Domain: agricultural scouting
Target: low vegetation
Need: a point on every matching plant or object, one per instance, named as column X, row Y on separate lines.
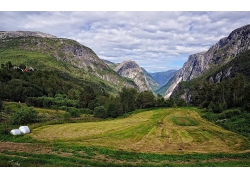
column 156, row 137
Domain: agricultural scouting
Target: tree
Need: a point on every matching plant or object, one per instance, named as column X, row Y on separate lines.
column 24, row 115
column 100, row 112
column 112, row 110
column 181, row 102
column 128, row 97
column 160, row 101
column 86, row 96
column 145, row 99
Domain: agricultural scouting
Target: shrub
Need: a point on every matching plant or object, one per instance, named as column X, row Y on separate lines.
column 74, row 112
column 100, row 112
column 24, row 115
column 229, row 113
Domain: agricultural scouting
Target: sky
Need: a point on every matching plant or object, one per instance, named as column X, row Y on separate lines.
column 158, row 40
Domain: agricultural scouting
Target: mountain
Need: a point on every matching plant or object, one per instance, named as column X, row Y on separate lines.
column 222, row 52
column 163, row 77
column 132, row 70
column 151, row 81
column 47, row 52
column 112, row 65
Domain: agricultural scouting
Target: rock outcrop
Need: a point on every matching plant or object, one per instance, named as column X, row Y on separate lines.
column 222, row 52
column 13, row 34
column 132, row 70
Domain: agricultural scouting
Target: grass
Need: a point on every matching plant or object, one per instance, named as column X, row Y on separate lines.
column 159, row 137
column 161, row 131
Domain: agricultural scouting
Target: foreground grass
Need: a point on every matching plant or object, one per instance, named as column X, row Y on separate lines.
column 159, row 137
column 175, row 131
column 59, row 155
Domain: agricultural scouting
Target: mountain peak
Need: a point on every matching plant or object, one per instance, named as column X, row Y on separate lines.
column 223, row 51
column 13, row 34
column 132, row 70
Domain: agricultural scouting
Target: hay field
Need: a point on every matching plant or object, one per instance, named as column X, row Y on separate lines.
column 170, row 130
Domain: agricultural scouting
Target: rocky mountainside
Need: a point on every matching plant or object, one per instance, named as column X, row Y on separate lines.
column 45, row 51
column 163, row 77
column 151, row 81
column 112, row 65
column 13, row 34
column 222, row 52
column 132, row 70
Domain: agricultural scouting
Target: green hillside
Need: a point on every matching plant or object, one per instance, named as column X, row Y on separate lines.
column 60, row 55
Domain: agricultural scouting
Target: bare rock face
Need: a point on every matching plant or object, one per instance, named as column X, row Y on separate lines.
column 132, row 70
column 222, row 52
column 13, row 34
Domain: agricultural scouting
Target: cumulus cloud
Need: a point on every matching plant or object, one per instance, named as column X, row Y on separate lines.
column 158, row 41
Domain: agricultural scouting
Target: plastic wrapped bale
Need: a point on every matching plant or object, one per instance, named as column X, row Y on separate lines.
column 15, row 132
column 24, row 129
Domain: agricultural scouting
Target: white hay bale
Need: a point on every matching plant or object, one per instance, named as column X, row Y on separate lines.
column 15, row 132
column 24, row 129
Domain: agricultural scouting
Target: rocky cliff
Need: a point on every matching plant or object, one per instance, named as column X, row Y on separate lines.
column 222, row 52
column 13, row 34
column 132, row 70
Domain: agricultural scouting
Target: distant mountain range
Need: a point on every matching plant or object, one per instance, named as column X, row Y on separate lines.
column 155, row 80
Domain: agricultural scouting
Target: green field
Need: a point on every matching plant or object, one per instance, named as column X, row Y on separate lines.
column 160, row 131
column 159, row 137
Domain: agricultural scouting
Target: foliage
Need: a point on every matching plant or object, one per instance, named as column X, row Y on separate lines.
column 24, row 115
column 1, row 104
column 100, row 112
column 145, row 99
column 112, row 110
column 128, row 96
column 74, row 112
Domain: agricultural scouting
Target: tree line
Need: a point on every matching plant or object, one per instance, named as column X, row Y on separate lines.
column 47, row 89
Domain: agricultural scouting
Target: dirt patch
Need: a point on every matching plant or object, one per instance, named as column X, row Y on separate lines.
column 24, row 147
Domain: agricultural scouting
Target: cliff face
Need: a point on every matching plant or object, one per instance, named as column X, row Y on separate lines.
column 222, row 52
column 132, row 70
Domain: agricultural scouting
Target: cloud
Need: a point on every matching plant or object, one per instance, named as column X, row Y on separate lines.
column 159, row 40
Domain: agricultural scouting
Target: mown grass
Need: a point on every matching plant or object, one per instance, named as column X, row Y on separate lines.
column 144, row 138
column 160, row 130
column 82, row 156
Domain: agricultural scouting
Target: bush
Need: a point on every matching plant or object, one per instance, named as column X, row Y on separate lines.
column 100, row 112
column 229, row 113
column 66, row 116
column 24, row 116
column 74, row 112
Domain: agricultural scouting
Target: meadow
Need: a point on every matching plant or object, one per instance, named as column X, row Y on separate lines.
column 157, row 137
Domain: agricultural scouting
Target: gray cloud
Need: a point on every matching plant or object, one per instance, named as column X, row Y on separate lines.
column 158, row 41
